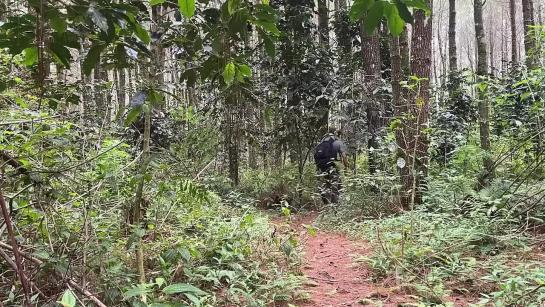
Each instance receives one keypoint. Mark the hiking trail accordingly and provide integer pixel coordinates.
(335, 278)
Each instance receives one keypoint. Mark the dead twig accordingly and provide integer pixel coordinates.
(69, 282)
(19, 265)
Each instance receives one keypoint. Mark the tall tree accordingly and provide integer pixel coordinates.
(417, 149)
(374, 108)
(482, 71)
(529, 40)
(513, 23)
(453, 58)
(323, 23)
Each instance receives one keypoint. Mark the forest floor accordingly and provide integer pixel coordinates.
(334, 275)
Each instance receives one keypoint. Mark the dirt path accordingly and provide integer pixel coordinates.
(334, 278)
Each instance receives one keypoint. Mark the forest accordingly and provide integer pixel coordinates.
(170, 153)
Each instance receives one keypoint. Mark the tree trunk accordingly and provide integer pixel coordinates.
(121, 94)
(484, 117)
(232, 138)
(453, 58)
(375, 109)
(421, 68)
(323, 23)
(529, 37)
(513, 23)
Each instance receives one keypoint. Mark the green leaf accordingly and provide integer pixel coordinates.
(268, 26)
(187, 7)
(92, 58)
(418, 4)
(245, 70)
(31, 56)
(58, 24)
(404, 12)
(373, 17)
(525, 95)
(229, 73)
(232, 6)
(160, 281)
(270, 49)
(265, 2)
(61, 54)
(183, 288)
(68, 299)
(395, 22)
(359, 9)
(195, 300)
(133, 114)
(137, 291)
(142, 33)
(156, 2)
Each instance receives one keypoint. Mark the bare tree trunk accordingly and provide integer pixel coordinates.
(417, 150)
(121, 93)
(375, 108)
(323, 23)
(106, 96)
(453, 57)
(482, 71)
(529, 38)
(513, 23)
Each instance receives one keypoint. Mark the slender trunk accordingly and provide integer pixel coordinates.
(375, 108)
(98, 92)
(484, 117)
(15, 247)
(453, 58)
(323, 23)
(529, 37)
(106, 96)
(513, 23)
(121, 93)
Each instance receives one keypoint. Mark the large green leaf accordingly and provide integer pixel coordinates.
(156, 2)
(133, 115)
(31, 56)
(404, 12)
(229, 73)
(142, 33)
(183, 288)
(61, 54)
(374, 16)
(58, 24)
(270, 48)
(245, 70)
(395, 22)
(187, 7)
(359, 8)
(92, 58)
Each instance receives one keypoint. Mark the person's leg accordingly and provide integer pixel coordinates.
(335, 185)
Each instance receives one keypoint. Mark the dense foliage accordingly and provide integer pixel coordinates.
(152, 153)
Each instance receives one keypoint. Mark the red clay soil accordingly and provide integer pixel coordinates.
(335, 280)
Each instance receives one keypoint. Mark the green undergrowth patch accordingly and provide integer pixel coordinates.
(201, 247)
(436, 256)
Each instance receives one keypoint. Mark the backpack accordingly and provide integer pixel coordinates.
(324, 154)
